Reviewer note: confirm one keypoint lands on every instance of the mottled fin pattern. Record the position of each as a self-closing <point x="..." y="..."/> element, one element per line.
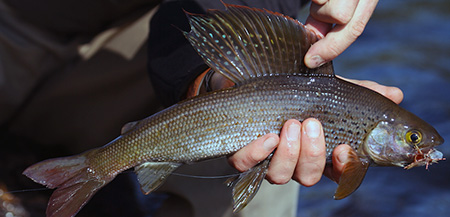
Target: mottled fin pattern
<point x="75" y="183"/>
<point x="242" y="43"/>
<point x="352" y="176"/>
<point x="247" y="184"/>
<point x="151" y="175"/>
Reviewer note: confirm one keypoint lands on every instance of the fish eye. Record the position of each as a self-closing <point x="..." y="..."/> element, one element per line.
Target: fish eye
<point x="413" y="137"/>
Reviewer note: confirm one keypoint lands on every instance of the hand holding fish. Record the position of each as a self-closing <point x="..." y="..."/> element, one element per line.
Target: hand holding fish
<point x="301" y="149"/>
<point x="339" y="23"/>
<point x="273" y="87"/>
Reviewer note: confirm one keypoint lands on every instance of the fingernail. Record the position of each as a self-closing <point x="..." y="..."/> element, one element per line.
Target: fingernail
<point x="293" y="133"/>
<point x="316" y="61"/>
<point x="313" y="129"/>
<point x="270" y="143"/>
<point x="342" y="157"/>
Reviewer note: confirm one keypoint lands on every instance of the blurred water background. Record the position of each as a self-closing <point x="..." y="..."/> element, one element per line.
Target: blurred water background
<point x="406" y="44"/>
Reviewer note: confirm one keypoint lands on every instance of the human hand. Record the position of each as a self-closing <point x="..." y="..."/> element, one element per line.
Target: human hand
<point x="300" y="149"/>
<point x="339" y="23"/>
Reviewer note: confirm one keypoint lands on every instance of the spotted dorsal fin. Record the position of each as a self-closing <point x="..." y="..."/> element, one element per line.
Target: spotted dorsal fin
<point x="243" y="43"/>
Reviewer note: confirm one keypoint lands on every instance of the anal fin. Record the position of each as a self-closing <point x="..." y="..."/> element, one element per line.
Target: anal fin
<point x="151" y="175"/>
<point x="352" y="176"/>
<point x="247" y="184"/>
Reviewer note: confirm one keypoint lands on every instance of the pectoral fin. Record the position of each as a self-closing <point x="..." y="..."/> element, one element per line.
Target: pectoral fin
<point x="151" y="175"/>
<point x="247" y="184"/>
<point x="354" y="171"/>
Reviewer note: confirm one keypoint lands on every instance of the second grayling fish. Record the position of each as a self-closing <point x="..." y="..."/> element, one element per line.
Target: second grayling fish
<point x="262" y="52"/>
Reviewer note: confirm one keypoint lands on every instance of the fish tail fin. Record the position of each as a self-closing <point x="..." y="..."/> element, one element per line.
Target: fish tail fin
<point x="74" y="181"/>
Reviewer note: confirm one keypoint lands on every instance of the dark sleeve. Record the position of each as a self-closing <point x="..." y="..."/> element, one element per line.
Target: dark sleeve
<point x="71" y="18"/>
<point x="172" y="62"/>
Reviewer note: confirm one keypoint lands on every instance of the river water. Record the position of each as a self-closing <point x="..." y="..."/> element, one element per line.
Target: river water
<point x="406" y="44"/>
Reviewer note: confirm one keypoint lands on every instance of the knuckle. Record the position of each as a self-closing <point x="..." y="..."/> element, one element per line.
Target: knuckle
<point x="256" y="157"/>
<point x="312" y="177"/>
<point x="342" y="17"/>
<point x="248" y="161"/>
<point x="279" y="179"/>
<point x="316" y="153"/>
<point x="242" y="162"/>
<point x="357" y="28"/>
<point x="334" y="50"/>
<point x="308" y="181"/>
<point x="238" y="164"/>
<point x="280" y="173"/>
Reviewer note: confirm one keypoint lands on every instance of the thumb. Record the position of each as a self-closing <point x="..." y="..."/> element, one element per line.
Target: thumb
<point x="254" y="152"/>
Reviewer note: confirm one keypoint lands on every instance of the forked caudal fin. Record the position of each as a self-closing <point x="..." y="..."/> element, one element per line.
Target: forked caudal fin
<point x="74" y="182"/>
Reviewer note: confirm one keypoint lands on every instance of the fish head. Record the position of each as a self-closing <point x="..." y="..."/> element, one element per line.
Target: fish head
<point x="405" y="141"/>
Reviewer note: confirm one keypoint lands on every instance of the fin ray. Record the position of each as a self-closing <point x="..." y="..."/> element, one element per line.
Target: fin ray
<point x="74" y="181"/>
<point x="151" y="175"/>
<point x="67" y="201"/>
<point x="247" y="184"/>
<point x="352" y="176"/>
<point x="243" y="43"/>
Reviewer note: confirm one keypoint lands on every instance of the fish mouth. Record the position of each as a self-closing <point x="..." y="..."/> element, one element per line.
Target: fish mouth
<point x="425" y="158"/>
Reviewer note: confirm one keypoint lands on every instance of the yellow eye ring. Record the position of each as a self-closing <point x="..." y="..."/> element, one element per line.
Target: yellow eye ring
<point x="413" y="137"/>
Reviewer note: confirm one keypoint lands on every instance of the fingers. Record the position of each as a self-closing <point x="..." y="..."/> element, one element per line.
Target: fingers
<point x="393" y="93"/>
<point x="339" y="12"/>
<point x="254" y="152"/>
<point x="284" y="161"/>
<point x="349" y="18"/>
<point x="301" y="154"/>
<point x="312" y="155"/>
<point x="301" y="150"/>
<point x="339" y="159"/>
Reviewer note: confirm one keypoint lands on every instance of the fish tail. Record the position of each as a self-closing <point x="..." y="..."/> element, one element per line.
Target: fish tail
<point x="74" y="181"/>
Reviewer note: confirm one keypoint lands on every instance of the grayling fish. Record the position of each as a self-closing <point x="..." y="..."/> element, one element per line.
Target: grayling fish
<point x="262" y="52"/>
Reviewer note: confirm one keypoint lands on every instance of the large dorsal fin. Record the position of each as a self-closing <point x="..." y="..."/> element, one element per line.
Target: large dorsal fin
<point x="243" y="43"/>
